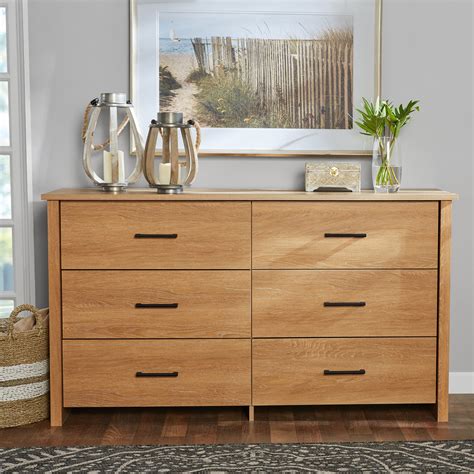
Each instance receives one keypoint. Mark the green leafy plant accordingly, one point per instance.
(383, 121)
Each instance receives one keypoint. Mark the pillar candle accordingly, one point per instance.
(164, 173)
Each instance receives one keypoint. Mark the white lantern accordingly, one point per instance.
(114, 178)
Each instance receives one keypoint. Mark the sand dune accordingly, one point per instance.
(180, 65)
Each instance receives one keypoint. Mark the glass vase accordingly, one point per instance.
(386, 165)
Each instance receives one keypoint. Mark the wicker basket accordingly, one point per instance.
(24, 370)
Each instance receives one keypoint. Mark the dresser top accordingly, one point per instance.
(147, 194)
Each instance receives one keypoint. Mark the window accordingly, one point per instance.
(16, 258)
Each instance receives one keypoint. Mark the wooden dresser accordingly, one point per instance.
(248, 298)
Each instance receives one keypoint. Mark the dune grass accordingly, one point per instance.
(224, 100)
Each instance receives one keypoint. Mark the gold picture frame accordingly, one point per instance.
(267, 153)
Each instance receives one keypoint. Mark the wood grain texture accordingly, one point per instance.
(149, 156)
(290, 303)
(292, 235)
(58, 414)
(194, 194)
(174, 156)
(158, 426)
(101, 304)
(100, 235)
(444, 310)
(290, 371)
(101, 373)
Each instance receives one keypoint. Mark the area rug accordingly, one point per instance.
(430, 456)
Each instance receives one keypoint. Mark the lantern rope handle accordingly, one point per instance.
(85, 124)
(196, 125)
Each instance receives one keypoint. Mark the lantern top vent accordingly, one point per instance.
(113, 99)
(170, 120)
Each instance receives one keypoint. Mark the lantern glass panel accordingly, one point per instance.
(6, 259)
(4, 115)
(3, 40)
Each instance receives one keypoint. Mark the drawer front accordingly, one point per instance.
(325, 235)
(199, 373)
(155, 235)
(156, 304)
(325, 303)
(291, 371)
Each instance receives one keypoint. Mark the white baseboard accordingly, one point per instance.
(461, 382)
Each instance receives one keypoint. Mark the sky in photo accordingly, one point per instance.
(245, 25)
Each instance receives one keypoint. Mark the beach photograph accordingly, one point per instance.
(263, 70)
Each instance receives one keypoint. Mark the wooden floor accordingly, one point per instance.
(230, 425)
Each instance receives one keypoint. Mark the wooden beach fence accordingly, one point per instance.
(307, 81)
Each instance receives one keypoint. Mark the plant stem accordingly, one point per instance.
(386, 174)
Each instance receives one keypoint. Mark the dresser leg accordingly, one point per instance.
(58, 416)
(442, 413)
(251, 413)
(443, 310)
(57, 413)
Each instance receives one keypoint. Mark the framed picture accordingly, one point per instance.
(262, 77)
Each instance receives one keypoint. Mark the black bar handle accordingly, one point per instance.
(156, 305)
(344, 372)
(156, 374)
(330, 235)
(156, 236)
(344, 304)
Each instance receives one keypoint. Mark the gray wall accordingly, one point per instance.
(80, 47)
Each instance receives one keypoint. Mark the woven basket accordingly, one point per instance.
(24, 370)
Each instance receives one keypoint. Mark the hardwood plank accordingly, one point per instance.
(388, 430)
(150, 425)
(443, 310)
(312, 424)
(176, 425)
(289, 235)
(122, 427)
(57, 412)
(101, 304)
(291, 303)
(202, 427)
(102, 235)
(331, 424)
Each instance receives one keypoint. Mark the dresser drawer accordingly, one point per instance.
(324, 235)
(155, 235)
(292, 371)
(156, 304)
(199, 372)
(327, 303)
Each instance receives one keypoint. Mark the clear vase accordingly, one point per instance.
(386, 165)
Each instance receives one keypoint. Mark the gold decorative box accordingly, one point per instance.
(332, 176)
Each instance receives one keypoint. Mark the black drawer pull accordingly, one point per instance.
(156, 374)
(342, 236)
(156, 305)
(156, 236)
(344, 304)
(344, 372)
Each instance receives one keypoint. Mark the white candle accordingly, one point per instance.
(164, 173)
(108, 174)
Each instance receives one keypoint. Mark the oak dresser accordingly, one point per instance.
(248, 298)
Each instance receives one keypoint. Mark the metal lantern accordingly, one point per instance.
(114, 178)
(167, 178)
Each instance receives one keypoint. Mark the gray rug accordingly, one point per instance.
(430, 456)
